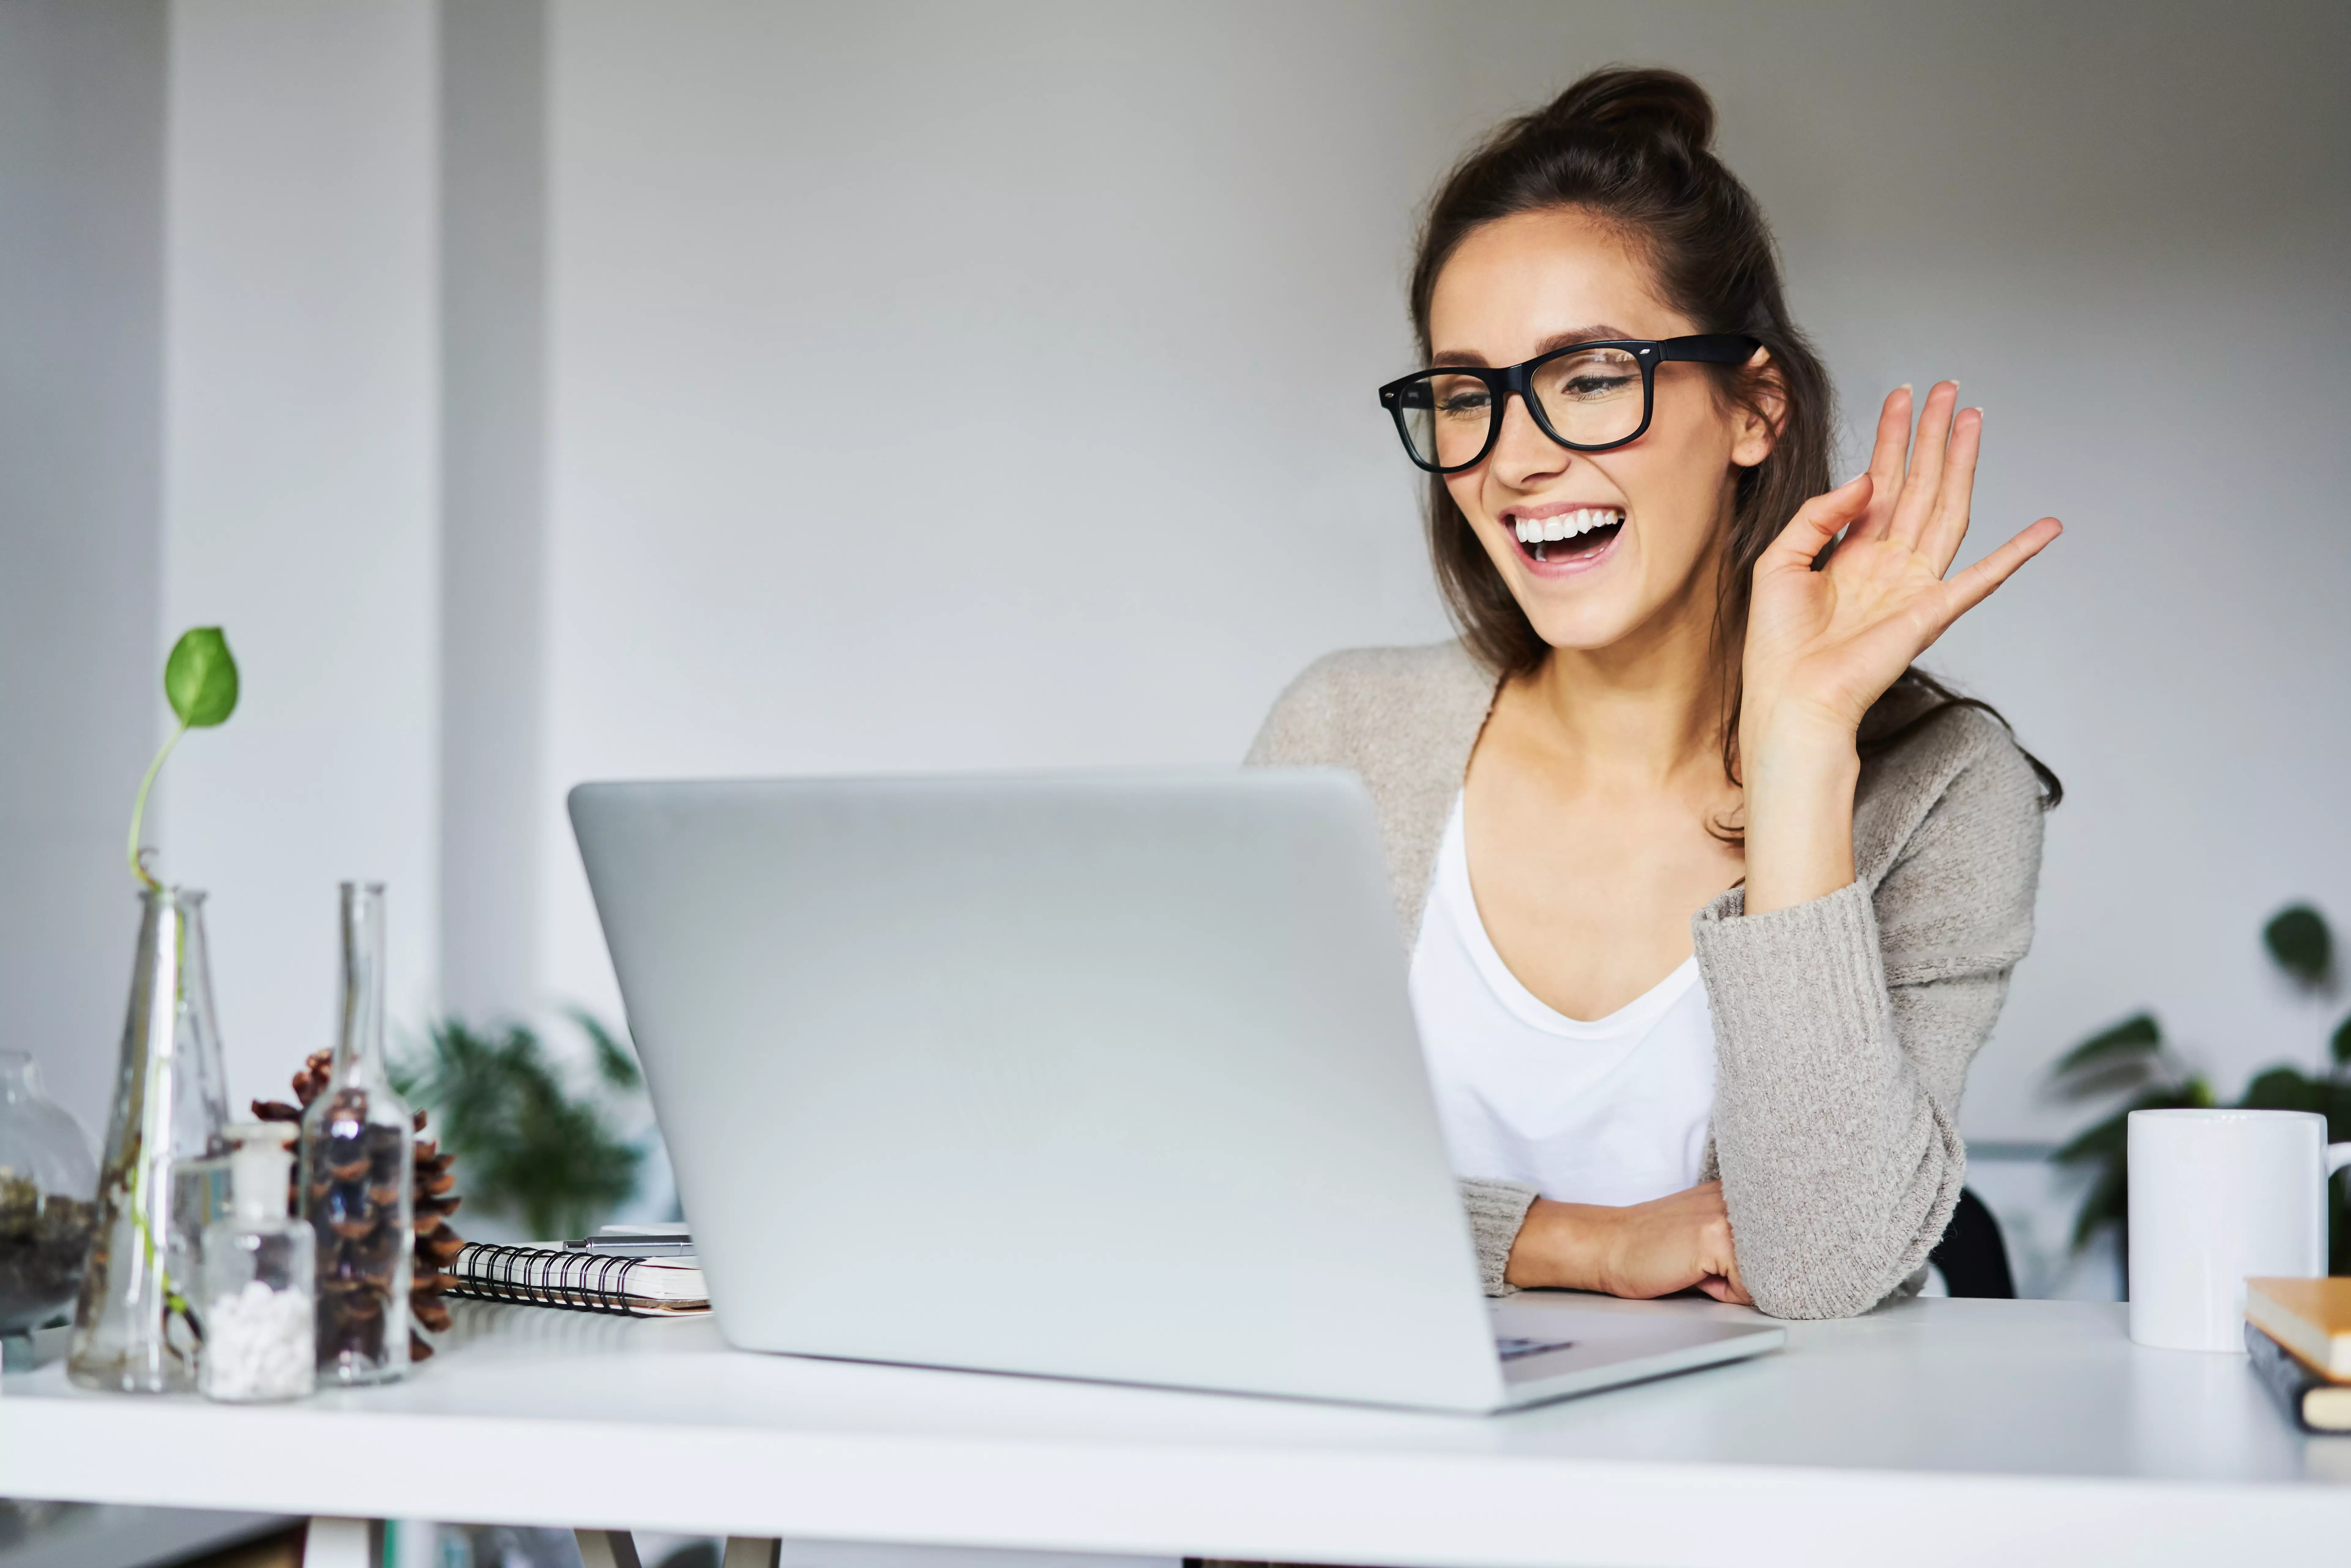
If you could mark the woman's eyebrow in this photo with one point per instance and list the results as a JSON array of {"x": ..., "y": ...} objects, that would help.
[{"x": 1602, "y": 333}]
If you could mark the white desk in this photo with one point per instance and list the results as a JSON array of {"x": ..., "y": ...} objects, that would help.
[{"x": 1964, "y": 1432}]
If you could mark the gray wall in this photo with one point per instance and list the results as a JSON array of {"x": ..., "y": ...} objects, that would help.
[
  {"x": 81, "y": 286},
  {"x": 949, "y": 386},
  {"x": 493, "y": 495}
]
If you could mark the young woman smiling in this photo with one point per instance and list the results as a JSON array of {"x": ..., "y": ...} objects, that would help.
[{"x": 1712, "y": 896}]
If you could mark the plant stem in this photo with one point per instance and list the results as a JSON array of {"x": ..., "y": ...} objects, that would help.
[{"x": 139, "y": 811}]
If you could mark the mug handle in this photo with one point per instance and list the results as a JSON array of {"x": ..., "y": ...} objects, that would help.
[{"x": 2337, "y": 1157}]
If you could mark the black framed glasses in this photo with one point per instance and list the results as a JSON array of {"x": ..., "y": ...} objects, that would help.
[{"x": 1588, "y": 397}]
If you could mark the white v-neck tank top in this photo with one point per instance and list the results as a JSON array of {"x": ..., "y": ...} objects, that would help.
[{"x": 1613, "y": 1110}]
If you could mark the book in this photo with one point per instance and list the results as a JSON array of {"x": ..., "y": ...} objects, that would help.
[
  {"x": 2314, "y": 1404},
  {"x": 2311, "y": 1318},
  {"x": 582, "y": 1281}
]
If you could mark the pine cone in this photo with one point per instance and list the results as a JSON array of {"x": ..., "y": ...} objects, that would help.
[{"x": 436, "y": 1245}]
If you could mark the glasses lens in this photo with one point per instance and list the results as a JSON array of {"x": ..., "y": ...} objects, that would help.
[
  {"x": 1593, "y": 396},
  {"x": 1445, "y": 419}
]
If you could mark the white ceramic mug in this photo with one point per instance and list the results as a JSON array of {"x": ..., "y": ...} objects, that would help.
[{"x": 2216, "y": 1197}]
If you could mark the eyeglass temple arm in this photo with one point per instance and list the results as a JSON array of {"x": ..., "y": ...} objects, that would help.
[{"x": 1712, "y": 348}]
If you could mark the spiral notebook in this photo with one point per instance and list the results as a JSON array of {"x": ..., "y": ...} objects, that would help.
[{"x": 582, "y": 1281}]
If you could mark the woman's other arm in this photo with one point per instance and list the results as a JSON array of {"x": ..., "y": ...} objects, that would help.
[{"x": 1844, "y": 1027}]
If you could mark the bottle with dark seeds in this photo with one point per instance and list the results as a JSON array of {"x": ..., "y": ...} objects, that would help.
[{"x": 358, "y": 1173}]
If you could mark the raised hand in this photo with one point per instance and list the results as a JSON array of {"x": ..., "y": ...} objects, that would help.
[{"x": 1823, "y": 645}]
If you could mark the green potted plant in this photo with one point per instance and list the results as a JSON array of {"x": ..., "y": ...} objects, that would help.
[
  {"x": 134, "y": 1330},
  {"x": 2134, "y": 1060}
]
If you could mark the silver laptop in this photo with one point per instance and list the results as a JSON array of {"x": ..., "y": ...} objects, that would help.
[{"x": 1106, "y": 1076}]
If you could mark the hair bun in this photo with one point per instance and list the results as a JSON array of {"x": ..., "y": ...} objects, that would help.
[{"x": 1629, "y": 103}]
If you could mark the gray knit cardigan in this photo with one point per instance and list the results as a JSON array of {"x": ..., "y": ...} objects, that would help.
[{"x": 1843, "y": 1028}]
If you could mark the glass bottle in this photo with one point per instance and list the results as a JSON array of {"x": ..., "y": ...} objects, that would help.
[
  {"x": 133, "y": 1328},
  {"x": 260, "y": 1270},
  {"x": 359, "y": 1165},
  {"x": 47, "y": 1179}
]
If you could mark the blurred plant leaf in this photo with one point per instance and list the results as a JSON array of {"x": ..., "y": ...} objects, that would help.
[
  {"x": 2104, "y": 1147},
  {"x": 2137, "y": 1035},
  {"x": 2341, "y": 1045},
  {"x": 616, "y": 1063},
  {"x": 2284, "y": 1089},
  {"x": 2334, "y": 1103},
  {"x": 2098, "y": 1141},
  {"x": 524, "y": 1144},
  {"x": 2129, "y": 1056},
  {"x": 2298, "y": 938},
  {"x": 200, "y": 678},
  {"x": 2106, "y": 1202}
]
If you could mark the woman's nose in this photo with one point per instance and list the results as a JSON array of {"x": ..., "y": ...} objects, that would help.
[{"x": 1523, "y": 455}]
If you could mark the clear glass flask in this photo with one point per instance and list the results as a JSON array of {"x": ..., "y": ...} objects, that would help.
[
  {"x": 260, "y": 1277},
  {"x": 135, "y": 1329},
  {"x": 358, "y": 1166}
]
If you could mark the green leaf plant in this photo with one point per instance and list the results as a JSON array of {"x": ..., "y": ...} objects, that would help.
[
  {"x": 2134, "y": 1060},
  {"x": 200, "y": 683},
  {"x": 529, "y": 1146}
]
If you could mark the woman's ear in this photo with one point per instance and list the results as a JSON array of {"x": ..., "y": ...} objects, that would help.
[{"x": 1760, "y": 414}]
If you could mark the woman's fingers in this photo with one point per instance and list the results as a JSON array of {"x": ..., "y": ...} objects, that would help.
[
  {"x": 1818, "y": 521},
  {"x": 1925, "y": 480},
  {"x": 1888, "y": 456},
  {"x": 1939, "y": 543},
  {"x": 1975, "y": 585}
]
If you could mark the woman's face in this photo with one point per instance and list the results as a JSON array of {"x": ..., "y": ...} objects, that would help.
[{"x": 1651, "y": 512}]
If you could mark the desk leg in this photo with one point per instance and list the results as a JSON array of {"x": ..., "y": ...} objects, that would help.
[
  {"x": 751, "y": 1552},
  {"x": 607, "y": 1549},
  {"x": 339, "y": 1543}
]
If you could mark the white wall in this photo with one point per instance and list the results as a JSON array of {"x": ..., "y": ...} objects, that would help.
[
  {"x": 301, "y": 507},
  {"x": 938, "y": 386},
  {"x": 81, "y": 323}
]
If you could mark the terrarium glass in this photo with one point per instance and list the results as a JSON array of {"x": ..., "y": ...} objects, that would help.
[
  {"x": 359, "y": 1171},
  {"x": 134, "y": 1329},
  {"x": 47, "y": 1179}
]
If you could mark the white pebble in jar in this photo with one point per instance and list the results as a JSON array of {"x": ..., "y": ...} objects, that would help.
[{"x": 259, "y": 1344}]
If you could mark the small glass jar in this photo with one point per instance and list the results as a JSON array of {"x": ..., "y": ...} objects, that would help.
[{"x": 260, "y": 1272}]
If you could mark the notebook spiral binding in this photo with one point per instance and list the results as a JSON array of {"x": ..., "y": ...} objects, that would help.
[{"x": 589, "y": 1281}]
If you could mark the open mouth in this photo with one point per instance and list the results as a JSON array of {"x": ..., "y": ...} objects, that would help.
[{"x": 1570, "y": 536}]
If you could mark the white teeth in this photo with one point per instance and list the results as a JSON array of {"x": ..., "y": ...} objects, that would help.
[{"x": 1566, "y": 525}]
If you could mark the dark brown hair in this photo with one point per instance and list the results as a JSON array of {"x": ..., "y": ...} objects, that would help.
[{"x": 1633, "y": 149}]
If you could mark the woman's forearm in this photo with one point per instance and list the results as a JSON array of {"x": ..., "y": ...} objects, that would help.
[{"x": 1558, "y": 1247}]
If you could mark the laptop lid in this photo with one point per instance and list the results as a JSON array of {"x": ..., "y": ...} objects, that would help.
[{"x": 1106, "y": 1076}]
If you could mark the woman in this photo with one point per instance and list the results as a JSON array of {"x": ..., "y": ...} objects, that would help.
[{"x": 1711, "y": 895}]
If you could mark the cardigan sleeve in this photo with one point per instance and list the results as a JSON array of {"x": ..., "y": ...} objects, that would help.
[
  {"x": 1497, "y": 1210},
  {"x": 1843, "y": 1032}
]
